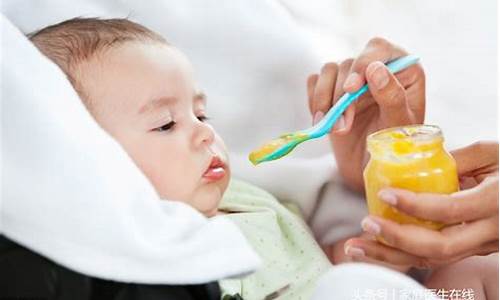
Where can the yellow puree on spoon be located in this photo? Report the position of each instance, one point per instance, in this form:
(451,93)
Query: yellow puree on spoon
(259,154)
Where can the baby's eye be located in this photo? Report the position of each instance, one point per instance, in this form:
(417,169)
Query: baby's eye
(165,127)
(203,118)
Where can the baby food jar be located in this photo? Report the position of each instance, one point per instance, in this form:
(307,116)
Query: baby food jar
(412,158)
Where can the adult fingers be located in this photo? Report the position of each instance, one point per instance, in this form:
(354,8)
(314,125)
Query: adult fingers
(389,94)
(323,91)
(487,248)
(476,157)
(413,81)
(478,202)
(360,248)
(311,84)
(424,242)
(377,49)
(357,248)
(344,123)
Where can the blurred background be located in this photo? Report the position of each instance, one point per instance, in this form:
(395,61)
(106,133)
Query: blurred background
(252,58)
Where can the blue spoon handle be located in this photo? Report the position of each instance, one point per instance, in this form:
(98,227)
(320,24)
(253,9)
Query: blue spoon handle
(347,99)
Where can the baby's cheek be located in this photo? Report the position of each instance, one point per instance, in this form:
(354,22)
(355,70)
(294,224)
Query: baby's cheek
(173,190)
(167,183)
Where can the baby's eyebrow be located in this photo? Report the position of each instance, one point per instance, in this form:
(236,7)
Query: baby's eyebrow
(157,103)
(200,97)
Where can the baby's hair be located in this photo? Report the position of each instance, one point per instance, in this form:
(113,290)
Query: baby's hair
(77,40)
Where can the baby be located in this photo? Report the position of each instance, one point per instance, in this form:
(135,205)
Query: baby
(141,91)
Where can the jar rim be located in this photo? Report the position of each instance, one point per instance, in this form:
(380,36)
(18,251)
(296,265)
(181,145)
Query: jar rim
(415,133)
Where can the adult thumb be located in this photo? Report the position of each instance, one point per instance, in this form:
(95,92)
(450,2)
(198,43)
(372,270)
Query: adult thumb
(481,156)
(389,94)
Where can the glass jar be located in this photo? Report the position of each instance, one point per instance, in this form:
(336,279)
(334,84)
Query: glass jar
(412,158)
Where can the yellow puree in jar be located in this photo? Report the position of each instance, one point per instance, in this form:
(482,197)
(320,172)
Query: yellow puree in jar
(411,158)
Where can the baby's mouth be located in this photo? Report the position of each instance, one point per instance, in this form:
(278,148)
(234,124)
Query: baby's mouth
(216,170)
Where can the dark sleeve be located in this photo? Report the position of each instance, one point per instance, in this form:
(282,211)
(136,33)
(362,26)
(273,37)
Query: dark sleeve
(27,275)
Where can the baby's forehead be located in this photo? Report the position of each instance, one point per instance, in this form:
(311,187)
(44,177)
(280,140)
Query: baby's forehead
(198,101)
(141,71)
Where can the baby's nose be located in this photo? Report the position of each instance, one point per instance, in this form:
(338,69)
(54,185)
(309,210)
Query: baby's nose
(204,134)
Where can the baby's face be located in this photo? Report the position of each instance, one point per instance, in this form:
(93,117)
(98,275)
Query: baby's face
(144,95)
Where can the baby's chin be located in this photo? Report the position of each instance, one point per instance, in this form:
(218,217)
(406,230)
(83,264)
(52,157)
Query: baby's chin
(207,200)
(208,206)
(212,213)
(204,198)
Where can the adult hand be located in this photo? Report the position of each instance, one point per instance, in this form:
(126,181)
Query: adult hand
(392,100)
(471,216)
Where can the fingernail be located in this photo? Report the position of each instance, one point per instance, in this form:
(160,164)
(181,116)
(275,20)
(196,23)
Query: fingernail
(369,225)
(354,251)
(340,125)
(388,197)
(351,80)
(317,117)
(379,76)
